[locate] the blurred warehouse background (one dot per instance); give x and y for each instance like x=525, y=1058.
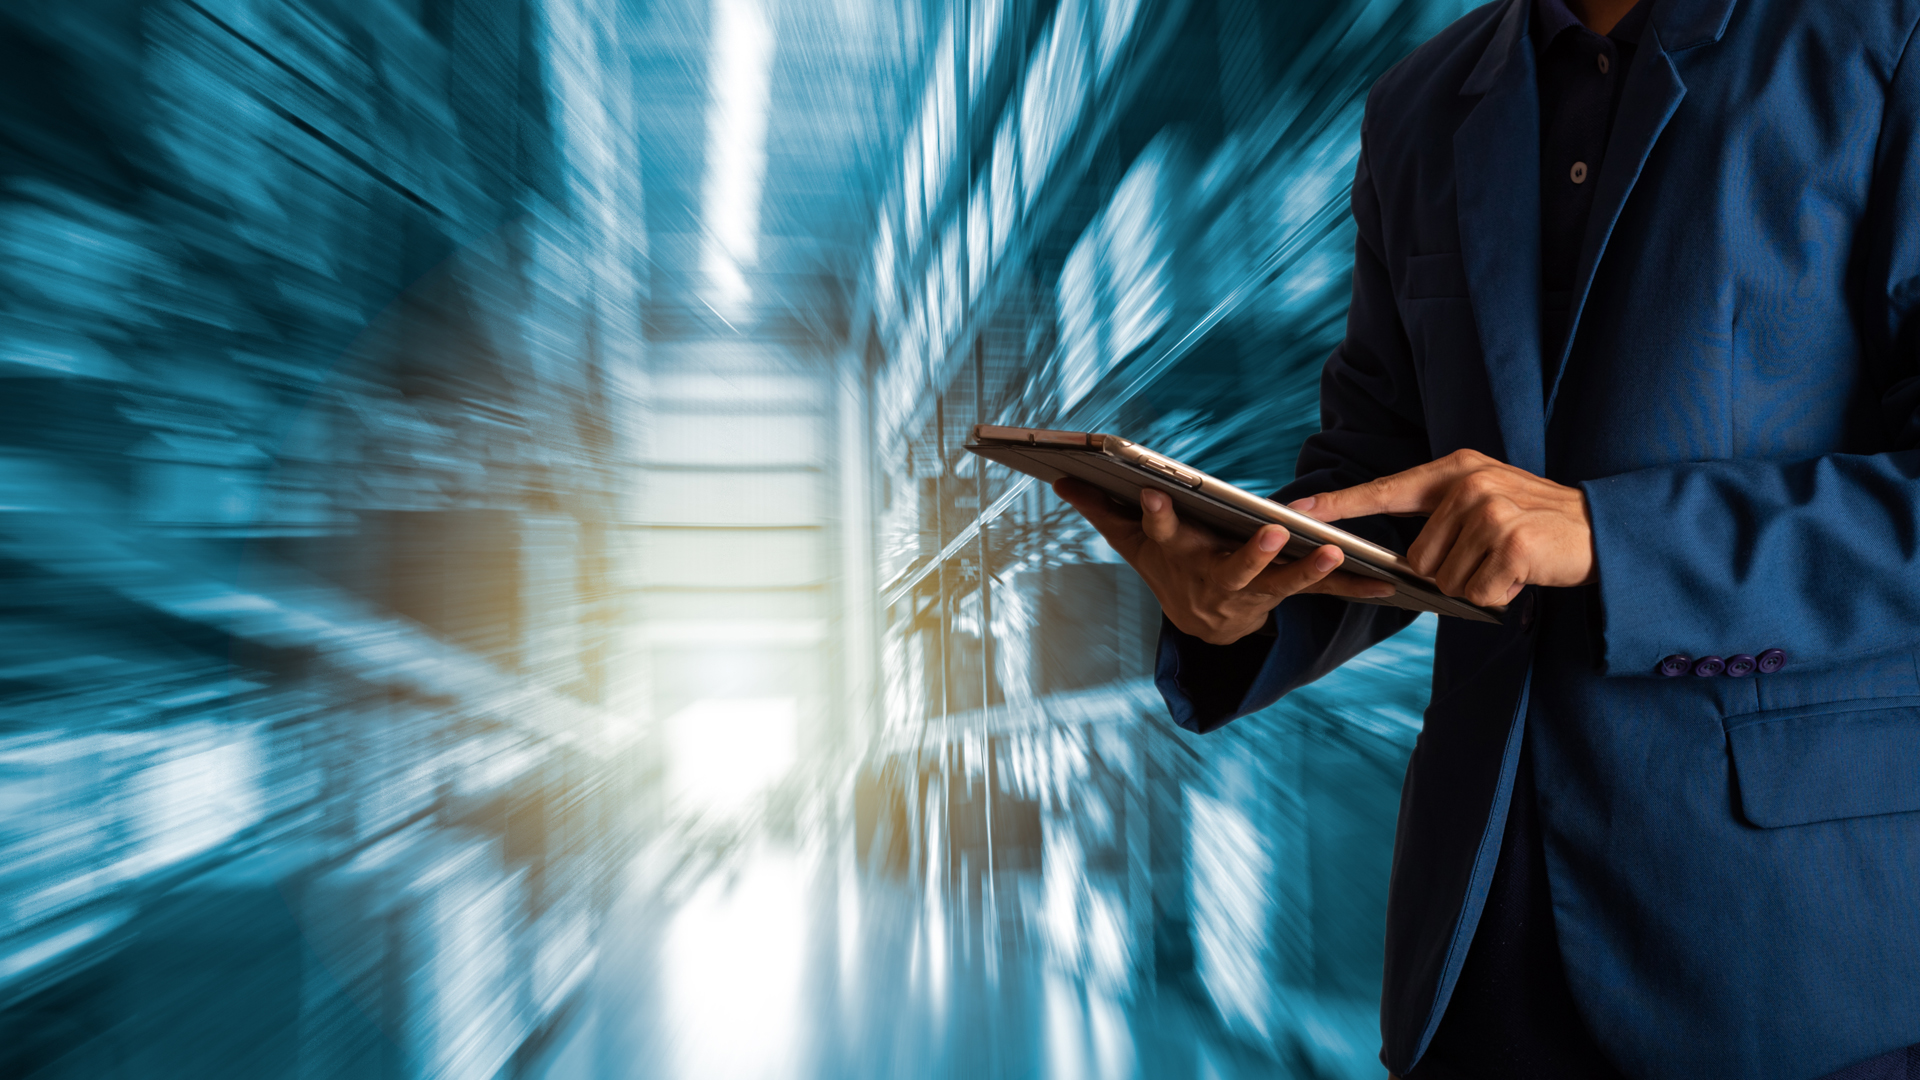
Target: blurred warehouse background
x=490, y=585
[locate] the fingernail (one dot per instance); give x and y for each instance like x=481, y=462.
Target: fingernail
x=1302, y=504
x=1325, y=561
x=1270, y=539
x=1153, y=501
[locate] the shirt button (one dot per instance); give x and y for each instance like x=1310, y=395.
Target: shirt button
x=1579, y=172
x=1602, y=61
x=1676, y=665
x=1708, y=666
x=1740, y=665
x=1770, y=661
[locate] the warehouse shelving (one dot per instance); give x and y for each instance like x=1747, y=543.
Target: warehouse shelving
x=335, y=332
x=1017, y=652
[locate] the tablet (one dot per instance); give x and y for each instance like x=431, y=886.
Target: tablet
x=1122, y=468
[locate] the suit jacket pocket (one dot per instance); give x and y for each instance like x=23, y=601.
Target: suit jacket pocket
x=1827, y=762
x=1429, y=277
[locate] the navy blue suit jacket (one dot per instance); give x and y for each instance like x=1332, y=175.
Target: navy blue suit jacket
x=1735, y=862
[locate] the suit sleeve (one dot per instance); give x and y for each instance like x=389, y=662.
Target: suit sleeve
x=1371, y=425
x=1817, y=558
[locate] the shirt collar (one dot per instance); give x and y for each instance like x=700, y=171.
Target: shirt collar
x=1550, y=17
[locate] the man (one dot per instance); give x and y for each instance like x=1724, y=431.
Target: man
x=1634, y=331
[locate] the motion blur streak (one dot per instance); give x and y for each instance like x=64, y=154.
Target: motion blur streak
x=736, y=150
x=490, y=585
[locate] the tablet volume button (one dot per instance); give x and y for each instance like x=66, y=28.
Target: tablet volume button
x=1173, y=472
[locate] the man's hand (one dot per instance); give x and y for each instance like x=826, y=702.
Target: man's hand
x=1491, y=529
x=1207, y=587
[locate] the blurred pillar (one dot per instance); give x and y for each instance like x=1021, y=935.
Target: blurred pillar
x=859, y=645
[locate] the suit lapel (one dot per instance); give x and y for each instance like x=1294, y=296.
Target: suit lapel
x=1652, y=94
x=1496, y=160
x=1648, y=101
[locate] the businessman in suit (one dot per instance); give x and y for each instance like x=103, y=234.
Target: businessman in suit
x=1632, y=350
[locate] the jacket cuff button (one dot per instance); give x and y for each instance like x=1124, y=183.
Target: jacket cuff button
x=1771, y=661
x=1741, y=665
x=1708, y=666
x=1675, y=665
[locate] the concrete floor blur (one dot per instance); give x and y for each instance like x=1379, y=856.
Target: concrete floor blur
x=779, y=960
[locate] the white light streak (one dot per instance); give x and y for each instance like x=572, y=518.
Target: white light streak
x=736, y=951
x=738, y=74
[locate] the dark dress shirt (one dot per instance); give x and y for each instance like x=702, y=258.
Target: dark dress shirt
x=1511, y=1015
x=1580, y=75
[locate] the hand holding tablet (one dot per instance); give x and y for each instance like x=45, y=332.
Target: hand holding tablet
x=1218, y=589
x=1217, y=593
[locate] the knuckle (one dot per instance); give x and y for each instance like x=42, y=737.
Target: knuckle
x=1479, y=484
x=1488, y=591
